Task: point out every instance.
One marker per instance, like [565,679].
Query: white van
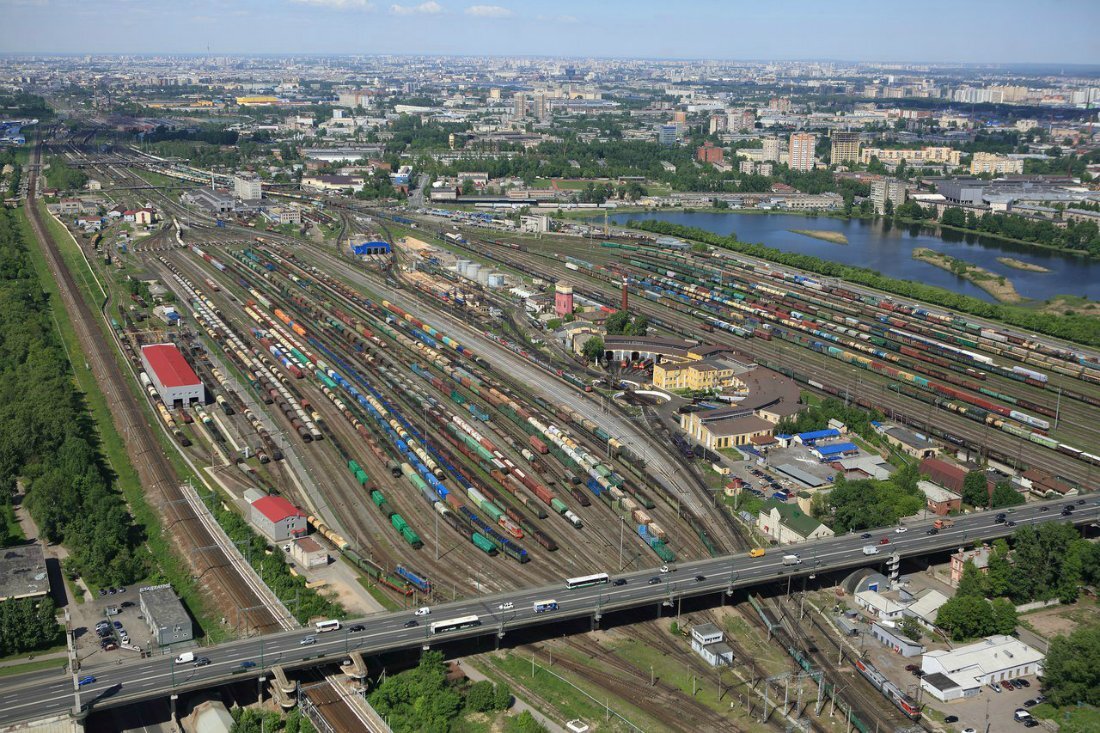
[185,658]
[1021,715]
[870,550]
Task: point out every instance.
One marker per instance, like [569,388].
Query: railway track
[221,580]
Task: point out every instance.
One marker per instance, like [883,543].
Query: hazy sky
[1058,31]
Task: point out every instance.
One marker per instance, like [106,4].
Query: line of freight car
[395,519]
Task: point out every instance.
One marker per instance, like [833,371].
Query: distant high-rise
[845,147]
[800,152]
[718,123]
[887,189]
[542,106]
[247,187]
[520,102]
[771,149]
[666,135]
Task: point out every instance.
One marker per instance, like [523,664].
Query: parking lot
[126,633]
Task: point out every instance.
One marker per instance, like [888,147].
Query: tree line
[1079,329]
[47,436]
[28,624]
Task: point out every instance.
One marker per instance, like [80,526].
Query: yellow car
[757,552]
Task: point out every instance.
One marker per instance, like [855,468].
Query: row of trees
[866,503]
[817,417]
[421,699]
[28,624]
[47,436]
[1076,328]
[1083,236]
[253,720]
[976,492]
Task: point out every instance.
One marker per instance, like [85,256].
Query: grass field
[36,666]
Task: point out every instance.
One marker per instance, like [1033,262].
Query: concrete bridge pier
[358,667]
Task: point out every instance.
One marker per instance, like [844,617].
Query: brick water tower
[563,299]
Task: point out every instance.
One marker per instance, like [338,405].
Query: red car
[884,541]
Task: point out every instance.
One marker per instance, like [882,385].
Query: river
[888,248]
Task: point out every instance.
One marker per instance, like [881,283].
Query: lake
[887,248]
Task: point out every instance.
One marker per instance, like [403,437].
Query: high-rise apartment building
[666,135]
[800,151]
[542,106]
[519,100]
[887,189]
[845,147]
[771,149]
[247,187]
[718,123]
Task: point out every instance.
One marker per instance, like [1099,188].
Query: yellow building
[726,427]
[702,374]
[256,101]
[934,155]
[991,163]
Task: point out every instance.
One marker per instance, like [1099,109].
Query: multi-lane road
[36,696]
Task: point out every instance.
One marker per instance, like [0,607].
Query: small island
[825,234]
[996,285]
[1021,265]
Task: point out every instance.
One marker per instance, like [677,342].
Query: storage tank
[473,270]
[496,280]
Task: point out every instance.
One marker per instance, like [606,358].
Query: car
[900,530]
[102,591]
[247,664]
[1007,686]
[307,640]
[85,680]
[969,730]
[884,541]
[1010,523]
[664,568]
[108,645]
[1023,683]
[117,624]
[654,581]
[103,625]
[104,633]
[951,719]
[700,578]
[411,623]
[127,604]
[1031,723]
[122,589]
[1040,698]
[1044,509]
[356,628]
[865,536]
[1080,502]
[995,687]
[619,581]
[202,661]
[124,637]
[111,591]
[932,530]
[506,606]
[1030,703]
[422,611]
[911,667]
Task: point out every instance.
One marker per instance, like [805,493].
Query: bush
[479,697]
[523,723]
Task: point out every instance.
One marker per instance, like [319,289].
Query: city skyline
[788,31]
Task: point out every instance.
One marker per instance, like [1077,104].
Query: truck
[792,560]
[870,550]
[942,523]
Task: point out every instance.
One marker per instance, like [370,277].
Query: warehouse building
[835,450]
[173,377]
[23,572]
[277,519]
[167,618]
[962,671]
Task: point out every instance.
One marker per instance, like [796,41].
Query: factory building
[171,374]
[167,618]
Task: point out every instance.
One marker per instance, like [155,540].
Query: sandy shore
[1021,265]
[825,234]
[999,287]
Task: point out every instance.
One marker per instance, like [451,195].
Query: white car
[901,530]
[422,611]
[506,606]
[664,568]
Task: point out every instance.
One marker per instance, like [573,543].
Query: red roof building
[278,519]
[170,373]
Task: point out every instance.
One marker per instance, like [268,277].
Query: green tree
[976,489]
[419,699]
[1071,672]
[972,583]
[911,628]
[593,349]
[523,723]
[1004,495]
[502,697]
[965,617]
[1002,617]
[479,697]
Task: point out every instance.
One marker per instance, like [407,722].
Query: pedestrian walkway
[519,706]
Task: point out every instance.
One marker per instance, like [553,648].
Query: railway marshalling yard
[418,434]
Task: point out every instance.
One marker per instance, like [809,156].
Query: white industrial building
[706,641]
[172,376]
[167,618]
[949,675]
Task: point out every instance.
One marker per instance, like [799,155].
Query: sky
[934,31]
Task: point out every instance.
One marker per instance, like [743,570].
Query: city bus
[584,580]
[454,624]
[323,626]
[544,606]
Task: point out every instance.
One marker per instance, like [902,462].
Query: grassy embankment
[996,285]
[1021,265]
[823,234]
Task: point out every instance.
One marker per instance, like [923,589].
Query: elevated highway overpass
[37,695]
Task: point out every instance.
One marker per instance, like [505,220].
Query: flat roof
[989,655]
[819,434]
[829,450]
[171,368]
[797,473]
[23,572]
[163,607]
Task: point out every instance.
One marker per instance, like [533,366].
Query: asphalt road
[33,696]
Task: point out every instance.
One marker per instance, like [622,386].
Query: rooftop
[276,508]
[798,474]
[793,517]
[23,572]
[171,368]
[163,607]
[989,655]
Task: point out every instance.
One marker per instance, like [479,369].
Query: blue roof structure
[836,449]
[371,248]
[819,435]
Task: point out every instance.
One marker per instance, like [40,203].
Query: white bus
[323,626]
[544,606]
[597,579]
[454,624]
